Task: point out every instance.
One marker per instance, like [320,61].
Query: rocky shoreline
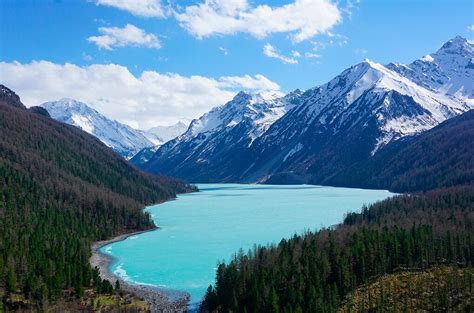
[158,299]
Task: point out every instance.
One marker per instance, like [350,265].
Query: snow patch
[427,58]
[294,150]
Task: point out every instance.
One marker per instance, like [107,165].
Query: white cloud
[295,54]
[311,55]
[258,82]
[272,52]
[303,19]
[147,100]
[145,8]
[129,35]
[470,28]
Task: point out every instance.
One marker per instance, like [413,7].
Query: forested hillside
[440,157]
[61,189]
[315,272]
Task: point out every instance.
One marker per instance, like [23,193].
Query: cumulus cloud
[143,101]
[145,8]
[302,19]
[272,52]
[129,35]
[470,28]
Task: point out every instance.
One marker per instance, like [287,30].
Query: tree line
[314,272]
[60,190]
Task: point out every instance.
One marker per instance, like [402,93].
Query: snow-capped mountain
[317,135]
[450,70]
[221,133]
[122,138]
[162,134]
[158,135]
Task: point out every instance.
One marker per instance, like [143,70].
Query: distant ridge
[122,138]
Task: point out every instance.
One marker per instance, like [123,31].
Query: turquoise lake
[199,229]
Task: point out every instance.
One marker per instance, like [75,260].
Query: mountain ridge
[120,137]
[347,120]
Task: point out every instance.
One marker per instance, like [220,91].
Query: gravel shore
[158,299]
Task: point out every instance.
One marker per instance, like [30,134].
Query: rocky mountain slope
[221,135]
[309,136]
[122,138]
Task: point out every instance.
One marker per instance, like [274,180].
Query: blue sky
[176,42]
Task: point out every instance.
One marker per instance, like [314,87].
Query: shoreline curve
[158,299]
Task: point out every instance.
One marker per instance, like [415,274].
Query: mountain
[158,135]
[450,70]
[60,190]
[122,138]
[164,134]
[320,133]
[346,121]
[144,155]
[440,157]
[219,137]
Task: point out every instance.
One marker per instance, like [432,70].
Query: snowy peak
[120,137]
[256,109]
[161,134]
[219,134]
[457,46]
[450,70]
[73,112]
[368,92]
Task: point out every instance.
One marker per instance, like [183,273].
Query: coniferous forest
[315,272]
[433,226]
[61,189]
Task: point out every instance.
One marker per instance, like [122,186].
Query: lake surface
[199,229]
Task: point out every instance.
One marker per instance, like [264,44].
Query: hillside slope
[314,272]
[61,189]
[437,289]
[440,157]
